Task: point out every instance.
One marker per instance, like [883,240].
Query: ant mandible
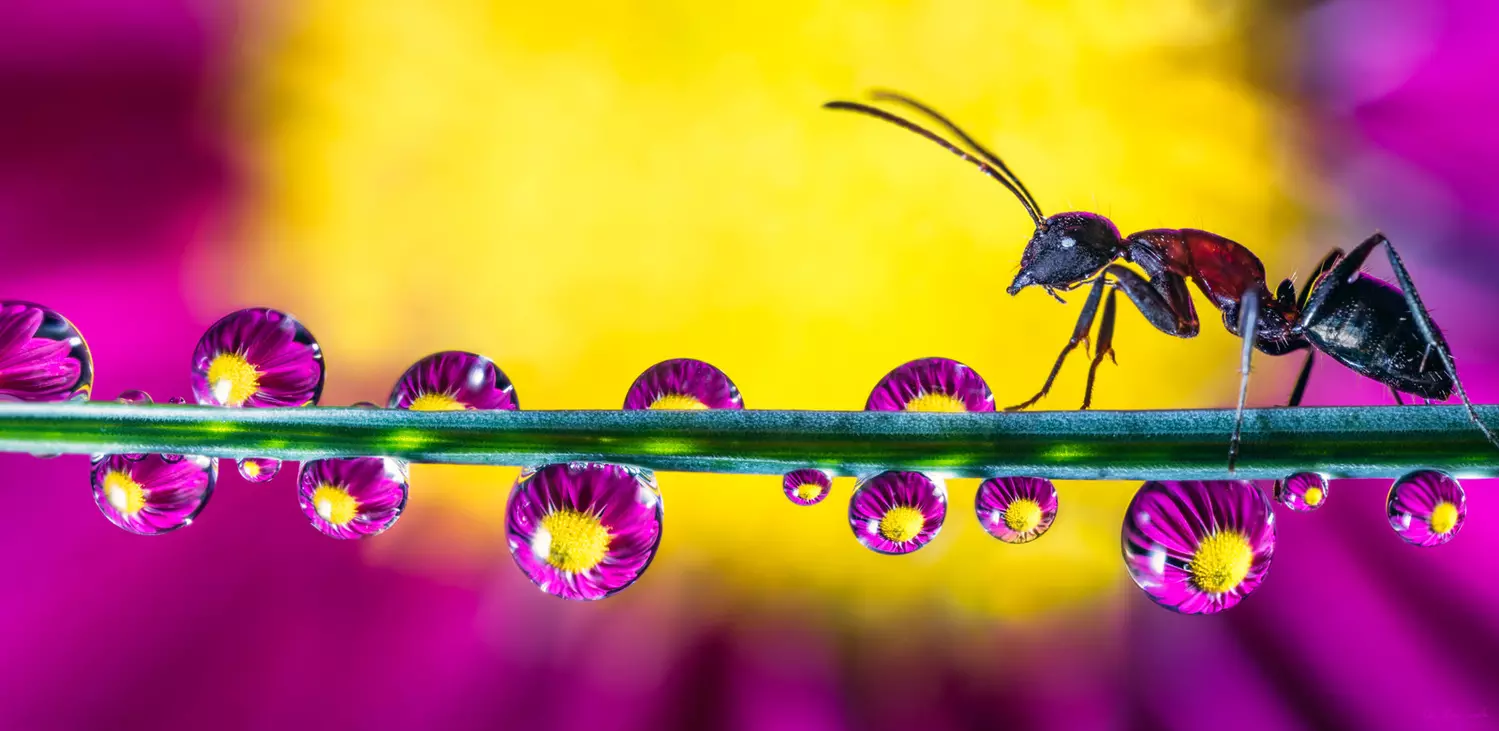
[1362,322]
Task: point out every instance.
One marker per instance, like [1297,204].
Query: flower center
[251,469]
[572,541]
[124,494]
[901,523]
[335,505]
[678,402]
[1443,518]
[1023,515]
[436,402]
[233,379]
[1221,562]
[808,490]
[1312,496]
[936,402]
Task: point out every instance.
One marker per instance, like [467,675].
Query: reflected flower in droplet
[1302,492]
[897,512]
[257,357]
[355,497]
[1016,509]
[683,384]
[584,530]
[258,469]
[453,380]
[1198,547]
[134,396]
[42,356]
[807,486]
[1427,508]
[931,384]
[149,494]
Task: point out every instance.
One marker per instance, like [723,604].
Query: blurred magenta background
[580,196]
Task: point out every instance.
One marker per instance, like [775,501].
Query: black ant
[1364,323]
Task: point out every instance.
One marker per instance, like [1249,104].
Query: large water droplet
[1016,509]
[257,357]
[42,356]
[584,530]
[1427,508]
[1198,547]
[807,486]
[897,512]
[931,384]
[683,384]
[453,380]
[1302,492]
[355,497]
[149,494]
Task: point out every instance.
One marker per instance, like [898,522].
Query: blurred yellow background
[580,191]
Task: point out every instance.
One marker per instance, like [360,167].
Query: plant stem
[1384,441]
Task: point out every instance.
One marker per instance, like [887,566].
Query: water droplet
[583,530]
[897,512]
[177,401]
[42,356]
[1427,508]
[149,494]
[683,384]
[1198,547]
[453,380]
[356,497]
[257,357]
[931,384]
[364,405]
[1302,492]
[1016,509]
[807,486]
[134,396]
[258,469]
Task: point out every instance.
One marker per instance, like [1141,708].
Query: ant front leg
[1079,335]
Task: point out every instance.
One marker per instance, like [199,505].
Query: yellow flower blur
[579,192]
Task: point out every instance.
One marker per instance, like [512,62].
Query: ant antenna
[891,96]
[984,167]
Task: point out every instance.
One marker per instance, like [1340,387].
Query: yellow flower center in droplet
[233,379]
[124,494]
[1023,515]
[678,402]
[1443,518]
[250,469]
[435,402]
[1312,496]
[901,523]
[574,541]
[808,490]
[335,505]
[940,402]
[1221,562]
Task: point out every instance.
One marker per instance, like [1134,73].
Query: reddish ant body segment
[1373,328]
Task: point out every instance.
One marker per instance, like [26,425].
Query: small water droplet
[1302,492]
[897,512]
[807,486]
[584,530]
[1198,547]
[1427,508]
[258,469]
[1016,509]
[453,380]
[134,396]
[257,357]
[150,494]
[683,384]
[364,405]
[356,497]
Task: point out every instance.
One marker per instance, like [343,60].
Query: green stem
[1341,442]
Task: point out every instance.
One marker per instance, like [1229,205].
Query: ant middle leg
[1079,335]
[1305,375]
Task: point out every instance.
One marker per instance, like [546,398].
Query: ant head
[1067,249]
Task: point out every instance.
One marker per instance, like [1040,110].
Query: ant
[1364,323]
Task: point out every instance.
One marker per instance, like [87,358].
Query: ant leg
[1302,378]
[1079,334]
[1398,401]
[1249,317]
[1164,301]
[1327,263]
[1104,347]
[1424,324]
